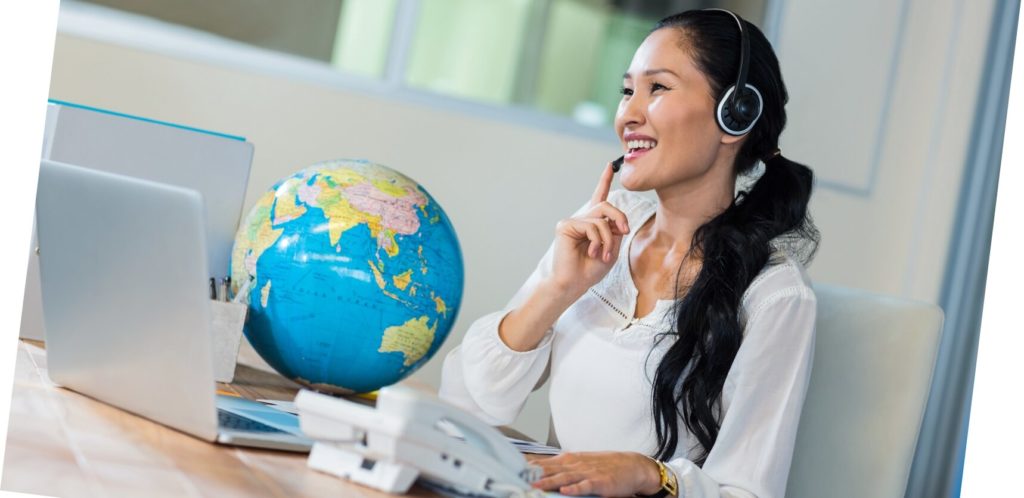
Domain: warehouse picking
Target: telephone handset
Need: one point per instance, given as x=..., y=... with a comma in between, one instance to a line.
x=411, y=434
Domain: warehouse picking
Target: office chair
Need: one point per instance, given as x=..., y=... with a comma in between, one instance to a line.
x=872, y=372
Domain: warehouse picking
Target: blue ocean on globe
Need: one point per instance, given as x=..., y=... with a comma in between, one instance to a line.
x=354, y=274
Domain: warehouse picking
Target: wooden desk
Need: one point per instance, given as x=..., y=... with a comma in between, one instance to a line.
x=61, y=443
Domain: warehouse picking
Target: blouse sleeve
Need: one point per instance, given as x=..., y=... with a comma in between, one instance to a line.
x=487, y=378
x=768, y=382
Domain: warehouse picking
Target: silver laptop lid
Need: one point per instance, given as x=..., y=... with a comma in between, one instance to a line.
x=215, y=164
x=124, y=275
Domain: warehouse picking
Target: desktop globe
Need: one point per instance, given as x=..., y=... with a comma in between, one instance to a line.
x=354, y=275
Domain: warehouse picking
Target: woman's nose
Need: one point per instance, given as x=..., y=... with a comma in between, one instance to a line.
x=631, y=111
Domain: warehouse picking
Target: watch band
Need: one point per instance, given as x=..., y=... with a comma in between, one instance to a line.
x=669, y=484
x=662, y=493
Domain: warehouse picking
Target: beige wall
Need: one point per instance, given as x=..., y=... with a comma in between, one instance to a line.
x=503, y=186
x=885, y=201
x=882, y=97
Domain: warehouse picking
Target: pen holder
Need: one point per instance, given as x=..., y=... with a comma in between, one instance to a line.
x=227, y=318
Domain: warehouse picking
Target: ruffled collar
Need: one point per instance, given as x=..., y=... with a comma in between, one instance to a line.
x=618, y=290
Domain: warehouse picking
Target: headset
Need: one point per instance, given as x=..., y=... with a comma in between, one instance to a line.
x=738, y=110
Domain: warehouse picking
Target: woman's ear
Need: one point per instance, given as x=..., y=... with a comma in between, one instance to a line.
x=728, y=139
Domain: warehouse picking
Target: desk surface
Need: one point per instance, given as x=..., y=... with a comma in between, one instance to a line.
x=61, y=443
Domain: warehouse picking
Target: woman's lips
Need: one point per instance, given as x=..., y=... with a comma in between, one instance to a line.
x=636, y=154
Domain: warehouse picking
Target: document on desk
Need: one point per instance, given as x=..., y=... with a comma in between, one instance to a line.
x=285, y=406
x=533, y=448
x=523, y=446
x=445, y=491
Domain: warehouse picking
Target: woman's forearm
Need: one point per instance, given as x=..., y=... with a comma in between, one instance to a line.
x=524, y=327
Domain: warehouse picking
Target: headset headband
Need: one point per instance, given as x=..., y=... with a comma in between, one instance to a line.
x=741, y=78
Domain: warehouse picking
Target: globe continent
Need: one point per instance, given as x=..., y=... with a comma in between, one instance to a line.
x=355, y=276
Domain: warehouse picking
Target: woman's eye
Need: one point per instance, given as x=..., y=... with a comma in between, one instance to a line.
x=658, y=86
x=626, y=91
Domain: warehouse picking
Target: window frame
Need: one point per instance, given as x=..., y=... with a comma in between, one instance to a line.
x=105, y=24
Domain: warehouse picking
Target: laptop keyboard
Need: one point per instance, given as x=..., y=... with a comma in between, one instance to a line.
x=229, y=420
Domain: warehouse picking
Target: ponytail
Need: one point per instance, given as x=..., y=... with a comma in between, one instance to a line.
x=776, y=207
x=735, y=246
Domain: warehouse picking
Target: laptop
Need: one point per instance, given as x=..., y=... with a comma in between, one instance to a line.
x=215, y=164
x=123, y=265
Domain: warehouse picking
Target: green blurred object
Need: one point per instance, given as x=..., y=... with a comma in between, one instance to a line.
x=468, y=48
x=364, y=35
x=562, y=57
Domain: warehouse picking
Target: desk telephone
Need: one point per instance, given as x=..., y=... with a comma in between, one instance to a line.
x=408, y=435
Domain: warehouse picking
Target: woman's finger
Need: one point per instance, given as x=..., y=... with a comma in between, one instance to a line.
x=584, y=487
x=556, y=480
x=594, y=250
x=607, y=210
x=606, y=237
x=535, y=458
x=604, y=185
x=575, y=228
x=596, y=231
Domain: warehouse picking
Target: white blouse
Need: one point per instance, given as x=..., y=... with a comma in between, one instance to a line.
x=600, y=360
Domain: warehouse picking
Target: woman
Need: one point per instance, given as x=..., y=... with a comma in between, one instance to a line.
x=677, y=335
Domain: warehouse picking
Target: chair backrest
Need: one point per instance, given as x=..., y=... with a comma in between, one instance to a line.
x=873, y=363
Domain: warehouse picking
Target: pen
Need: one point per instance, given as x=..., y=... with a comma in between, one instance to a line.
x=243, y=291
x=213, y=288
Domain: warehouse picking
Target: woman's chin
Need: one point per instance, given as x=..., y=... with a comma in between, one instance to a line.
x=629, y=180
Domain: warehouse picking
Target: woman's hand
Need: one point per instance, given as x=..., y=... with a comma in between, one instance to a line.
x=599, y=473
x=587, y=246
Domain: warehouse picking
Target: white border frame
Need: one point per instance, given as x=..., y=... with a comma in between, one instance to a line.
x=995, y=434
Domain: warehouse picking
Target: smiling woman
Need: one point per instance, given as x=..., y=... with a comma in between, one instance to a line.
x=668, y=94
x=676, y=335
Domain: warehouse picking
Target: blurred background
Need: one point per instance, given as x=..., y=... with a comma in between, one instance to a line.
x=502, y=110
x=561, y=57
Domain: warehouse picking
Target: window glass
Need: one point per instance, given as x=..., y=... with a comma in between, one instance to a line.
x=469, y=48
x=590, y=46
x=562, y=57
x=305, y=28
x=351, y=35
x=364, y=36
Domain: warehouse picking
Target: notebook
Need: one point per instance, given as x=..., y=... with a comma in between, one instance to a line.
x=215, y=164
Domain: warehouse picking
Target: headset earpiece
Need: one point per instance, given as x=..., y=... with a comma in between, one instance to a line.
x=738, y=114
x=738, y=111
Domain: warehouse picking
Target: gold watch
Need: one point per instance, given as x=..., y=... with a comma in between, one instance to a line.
x=669, y=484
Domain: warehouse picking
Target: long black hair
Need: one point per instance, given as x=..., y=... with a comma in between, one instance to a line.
x=735, y=245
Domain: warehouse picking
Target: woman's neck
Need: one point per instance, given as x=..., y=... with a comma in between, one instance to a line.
x=685, y=207
x=660, y=257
